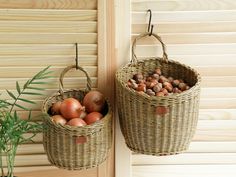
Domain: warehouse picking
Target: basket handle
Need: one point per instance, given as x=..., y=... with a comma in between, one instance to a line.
x=61, y=85
x=134, y=56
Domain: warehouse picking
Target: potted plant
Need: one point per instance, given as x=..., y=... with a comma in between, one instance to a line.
x=12, y=126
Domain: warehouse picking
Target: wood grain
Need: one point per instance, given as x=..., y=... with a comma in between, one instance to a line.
x=48, y=26
x=48, y=4
x=182, y=5
x=188, y=27
x=19, y=50
x=184, y=16
x=48, y=38
x=29, y=149
x=47, y=15
x=217, y=114
x=184, y=170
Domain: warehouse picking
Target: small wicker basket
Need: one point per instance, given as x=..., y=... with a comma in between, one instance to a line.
x=145, y=131
x=76, y=148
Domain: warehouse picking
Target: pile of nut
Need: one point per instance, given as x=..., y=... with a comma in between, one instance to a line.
x=157, y=84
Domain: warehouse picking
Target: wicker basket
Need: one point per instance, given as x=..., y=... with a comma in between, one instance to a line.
x=145, y=131
x=76, y=148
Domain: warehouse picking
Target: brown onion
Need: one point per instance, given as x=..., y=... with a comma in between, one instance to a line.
x=93, y=117
x=94, y=101
x=71, y=108
x=76, y=122
x=58, y=119
x=56, y=108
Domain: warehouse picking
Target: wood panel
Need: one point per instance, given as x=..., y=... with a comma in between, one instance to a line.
x=192, y=38
x=184, y=16
x=185, y=159
x=182, y=5
x=184, y=170
x=48, y=26
x=217, y=114
x=189, y=27
x=46, y=4
x=22, y=50
x=60, y=60
x=49, y=38
x=47, y=15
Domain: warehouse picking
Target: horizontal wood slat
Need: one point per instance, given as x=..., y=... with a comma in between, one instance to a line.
x=217, y=114
x=48, y=4
x=47, y=27
x=24, y=72
x=184, y=170
x=185, y=159
x=184, y=16
x=182, y=5
x=197, y=27
x=192, y=38
x=48, y=38
x=218, y=103
x=32, y=60
x=187, y=49
x=69, y=83
x=29, y=149
x=47, y=15
x=21, y=50
x=212, y=147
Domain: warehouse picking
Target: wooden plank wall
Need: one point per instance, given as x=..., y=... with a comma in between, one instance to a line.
x=38, y=33
x=202, y=34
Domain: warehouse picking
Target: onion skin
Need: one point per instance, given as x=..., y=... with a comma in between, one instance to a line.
x=94, y=101
x=83, y=114
x=71, y=108
x=93, y=117
x=58, y=119
x=56, y=108
x=76, y=122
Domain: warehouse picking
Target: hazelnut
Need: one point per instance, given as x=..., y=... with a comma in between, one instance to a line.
x=162, y=110
x=134, y=86
x=157, y=88
x=132, y=81
x=164, y=91
x=158, y=71
x=182, y=86
x=138, y=78
x=141, y=87
x=129, y=84
x=175, y=83
x=176, y=90
x=170, y=79
x=160, y=85
x=168, y=86
x=149, y=78
x=156, y=76
x=187, y=87
x=162, y=79
x=160, y=94
x=150, y=92
x=181, y=80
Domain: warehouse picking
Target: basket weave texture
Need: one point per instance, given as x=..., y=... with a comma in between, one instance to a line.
x=144, y=130
x=64, y=145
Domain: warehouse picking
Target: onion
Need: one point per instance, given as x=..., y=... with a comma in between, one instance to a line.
x=76, y=122
x=93, y=117
x=83, y=114
x=58, y=119
x=71, y=108
x=56, y=108
x=94, y=101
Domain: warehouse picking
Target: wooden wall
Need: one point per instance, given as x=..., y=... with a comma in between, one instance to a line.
x=202, y=34
x=38, y=33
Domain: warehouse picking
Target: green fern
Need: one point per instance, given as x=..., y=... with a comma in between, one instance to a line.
x=12, y=127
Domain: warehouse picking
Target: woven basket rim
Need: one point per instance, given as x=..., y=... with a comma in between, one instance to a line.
x=132, y=91
x=70, y=128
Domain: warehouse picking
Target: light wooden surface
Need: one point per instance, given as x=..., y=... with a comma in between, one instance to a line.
x=201, y=34
x=38, y=33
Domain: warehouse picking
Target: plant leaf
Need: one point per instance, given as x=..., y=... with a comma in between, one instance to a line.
x=11, y=94
x=39, y=83
x=22, y=107
x=29, y=116
x=27, y=101
x=17, y=87
x=31, y=93
x=26, y=84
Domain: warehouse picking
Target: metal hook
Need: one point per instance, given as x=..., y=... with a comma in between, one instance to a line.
x=149, y=23
x=76, y=56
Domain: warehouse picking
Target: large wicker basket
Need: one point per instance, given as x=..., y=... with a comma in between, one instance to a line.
x=145, y=131
x=76, y=148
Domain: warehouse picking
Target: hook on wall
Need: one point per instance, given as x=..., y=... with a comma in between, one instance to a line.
x=76, y=56
x=150, y=26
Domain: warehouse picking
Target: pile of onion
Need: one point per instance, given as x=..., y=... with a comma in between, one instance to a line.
x=72, y=112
